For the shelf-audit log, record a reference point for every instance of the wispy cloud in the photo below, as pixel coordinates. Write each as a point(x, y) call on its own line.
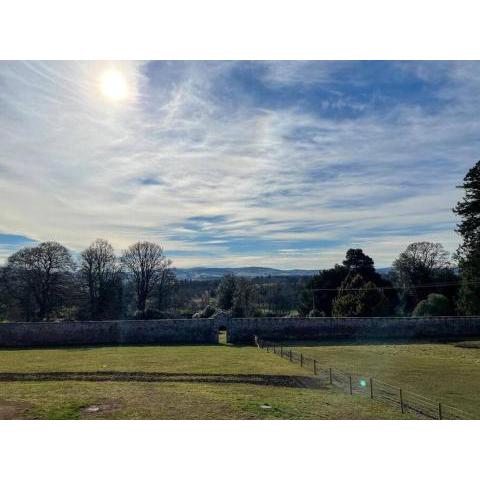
point(238, 163)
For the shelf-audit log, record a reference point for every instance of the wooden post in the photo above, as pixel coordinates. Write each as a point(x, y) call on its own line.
point(291, 356)
point(331, 379)
point(281, 351)
point(301, 359)
point(350, 381)
point(439, 411)
point(401, 401)
point(371, 388)
point(274, 349)
point(314, 367)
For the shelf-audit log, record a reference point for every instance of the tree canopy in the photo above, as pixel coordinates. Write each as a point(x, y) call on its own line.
point(148, 265)
point(226, 292)
point(418, 269)
point(358, 298)
point(322, 289)
point(40, 277)
point(468, 254)
point(356, 261)
point(101, 275)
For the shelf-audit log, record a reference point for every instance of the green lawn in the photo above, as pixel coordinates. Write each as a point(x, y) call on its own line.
point(177, 382)
point(441, 371)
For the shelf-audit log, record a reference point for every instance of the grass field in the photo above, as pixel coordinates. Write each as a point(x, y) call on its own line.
point(156, 382)
point(442, 371)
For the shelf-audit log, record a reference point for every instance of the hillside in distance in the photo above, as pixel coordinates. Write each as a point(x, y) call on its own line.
point(201, 273)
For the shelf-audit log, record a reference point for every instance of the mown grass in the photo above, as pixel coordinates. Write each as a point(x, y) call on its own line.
point(168, 399)
point(441, 371)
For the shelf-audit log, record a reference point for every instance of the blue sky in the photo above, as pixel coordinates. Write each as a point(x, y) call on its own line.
point(282, 164)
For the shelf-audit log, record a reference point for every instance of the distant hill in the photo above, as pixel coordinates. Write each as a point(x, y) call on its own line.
point(202, 273)
point(205, 273)
point(384, 270)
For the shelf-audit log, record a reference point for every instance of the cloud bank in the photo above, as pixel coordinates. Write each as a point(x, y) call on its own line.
point(283, 164)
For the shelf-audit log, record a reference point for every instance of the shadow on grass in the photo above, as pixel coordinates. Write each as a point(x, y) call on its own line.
point(371, 341)
point(75, 347)
point(292, 381)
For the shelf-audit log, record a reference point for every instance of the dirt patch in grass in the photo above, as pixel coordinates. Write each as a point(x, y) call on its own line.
point(10, 410)
point(100, 409)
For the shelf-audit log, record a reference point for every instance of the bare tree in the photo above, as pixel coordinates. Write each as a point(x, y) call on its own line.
point(44, 273)
point(420, 260)
point(148, 265)
point(99, 270)
point(421, 263)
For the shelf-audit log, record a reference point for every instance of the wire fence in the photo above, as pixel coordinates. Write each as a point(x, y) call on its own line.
point(404, 400)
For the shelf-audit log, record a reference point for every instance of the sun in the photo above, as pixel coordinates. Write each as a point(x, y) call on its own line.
point(113, 85)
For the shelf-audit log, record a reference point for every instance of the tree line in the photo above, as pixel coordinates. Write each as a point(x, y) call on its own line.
point(44, 282)
point(423, 280)
point(422, 276)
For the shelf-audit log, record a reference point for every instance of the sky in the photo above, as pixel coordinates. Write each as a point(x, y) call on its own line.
point(277, 164)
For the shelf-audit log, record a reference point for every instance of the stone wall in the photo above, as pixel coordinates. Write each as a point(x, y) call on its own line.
point(163, 332)
point(205, 331)
point(242, 330)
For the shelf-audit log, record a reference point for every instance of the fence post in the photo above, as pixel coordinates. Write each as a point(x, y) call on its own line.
point(274, 349)
point(281, 351)
point(350, 381)
point(401, 400)
point(291, 356)
point(314, 367)
point(371, 388)
point(331, 380)
point(301, 359)
point(439, 411)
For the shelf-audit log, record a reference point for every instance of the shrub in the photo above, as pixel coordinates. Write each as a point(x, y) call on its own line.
point(434, 304)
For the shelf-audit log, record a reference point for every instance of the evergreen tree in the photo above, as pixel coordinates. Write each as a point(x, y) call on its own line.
point(225, 292)
point(358, 262)
point(358, 298)
point(468, 254)
point(320, 291)
point(245, 299)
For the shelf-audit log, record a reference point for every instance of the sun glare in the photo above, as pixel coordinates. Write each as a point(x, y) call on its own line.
point(113, 85)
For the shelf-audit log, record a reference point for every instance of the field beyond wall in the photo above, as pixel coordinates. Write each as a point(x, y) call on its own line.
point(447, 372)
